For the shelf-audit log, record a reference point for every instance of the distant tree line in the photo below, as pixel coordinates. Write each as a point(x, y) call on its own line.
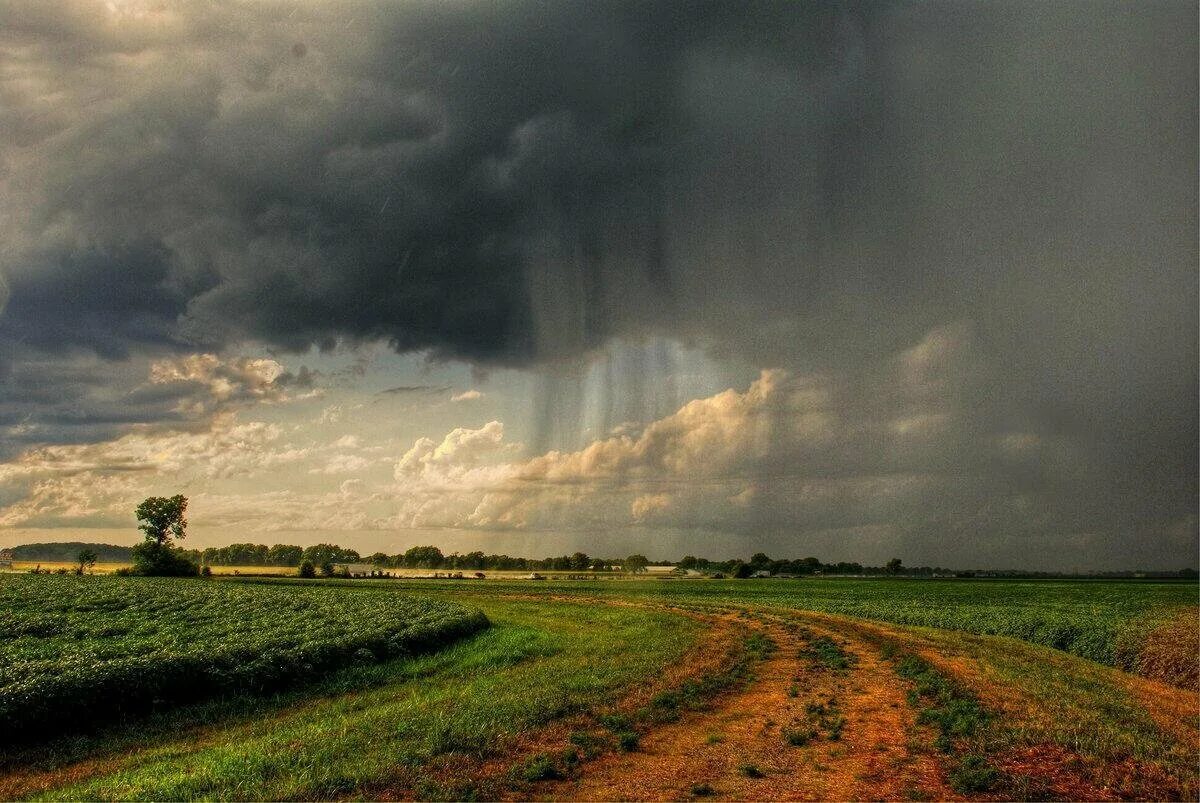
point(432, 558)
point(68, 551)
point(760, 562)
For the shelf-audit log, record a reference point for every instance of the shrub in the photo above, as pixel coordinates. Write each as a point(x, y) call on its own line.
point(152, 559)
point(628, 741)
point(751, 771)
point(308, 570)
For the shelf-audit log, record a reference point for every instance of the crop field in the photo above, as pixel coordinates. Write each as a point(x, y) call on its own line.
point(599, 690)
point(73, 648)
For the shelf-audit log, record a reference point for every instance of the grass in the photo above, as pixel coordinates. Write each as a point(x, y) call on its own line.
point(1051, 698)
point(370, 727)
point(957, 716)
point(953, 711)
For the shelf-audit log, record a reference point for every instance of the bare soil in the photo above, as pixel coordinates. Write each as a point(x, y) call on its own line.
point(738, 750)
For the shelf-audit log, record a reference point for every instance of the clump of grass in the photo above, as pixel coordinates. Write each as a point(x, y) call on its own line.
point(759, 645)
point(834, 726)
point(615, 722)
point(824, 651)
point(714, 738)
point(751, 771)
point(703, 790)
point(588, 743)
point(798, 737)
point(793, 690)
point(973, 775)
point(628, 741)
point(540, 768)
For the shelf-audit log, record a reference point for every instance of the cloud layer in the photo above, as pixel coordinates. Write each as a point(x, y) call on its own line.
point(803, 187)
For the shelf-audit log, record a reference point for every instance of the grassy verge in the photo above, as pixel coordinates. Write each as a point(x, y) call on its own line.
point(376, 724)
point(1022, 708)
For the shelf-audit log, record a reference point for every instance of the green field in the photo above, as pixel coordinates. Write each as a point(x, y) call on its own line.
point(74, 649)
point(1097, 620)
point(571, 672)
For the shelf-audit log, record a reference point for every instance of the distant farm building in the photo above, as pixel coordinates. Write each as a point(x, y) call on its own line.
point(355, 569)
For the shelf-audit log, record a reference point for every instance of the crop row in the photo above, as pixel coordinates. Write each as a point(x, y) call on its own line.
point(84, 649)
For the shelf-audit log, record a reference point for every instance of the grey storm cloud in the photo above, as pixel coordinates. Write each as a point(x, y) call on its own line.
point(785, 184)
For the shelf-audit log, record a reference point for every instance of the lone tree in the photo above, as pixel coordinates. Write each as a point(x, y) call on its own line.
point(893, 566)
point(86, 560)
point(162, 519)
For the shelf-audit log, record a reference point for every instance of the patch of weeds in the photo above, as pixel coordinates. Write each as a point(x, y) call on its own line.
point(540, 768)
point(714, 738)
point(973, 775)
point(628, 741)
point(759, 645)
point(827, 717)
point(793, 690)
point(703, 790)
point(798, 737)
point(955, 712)
point(824, 651)
point(751, 771)
point(588, 743)
point(615, 722)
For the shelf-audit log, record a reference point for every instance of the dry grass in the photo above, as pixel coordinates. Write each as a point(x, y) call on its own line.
point(1171, 651)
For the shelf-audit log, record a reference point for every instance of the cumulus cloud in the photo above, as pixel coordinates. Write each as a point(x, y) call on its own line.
point(466, 396)
point(459, 452)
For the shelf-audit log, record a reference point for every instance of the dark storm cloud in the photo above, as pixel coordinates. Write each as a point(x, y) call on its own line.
point(802, 185)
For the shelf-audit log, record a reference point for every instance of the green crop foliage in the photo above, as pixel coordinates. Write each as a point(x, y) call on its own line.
point(76, 650)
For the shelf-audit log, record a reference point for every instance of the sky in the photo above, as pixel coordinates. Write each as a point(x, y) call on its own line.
point(857, 281)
